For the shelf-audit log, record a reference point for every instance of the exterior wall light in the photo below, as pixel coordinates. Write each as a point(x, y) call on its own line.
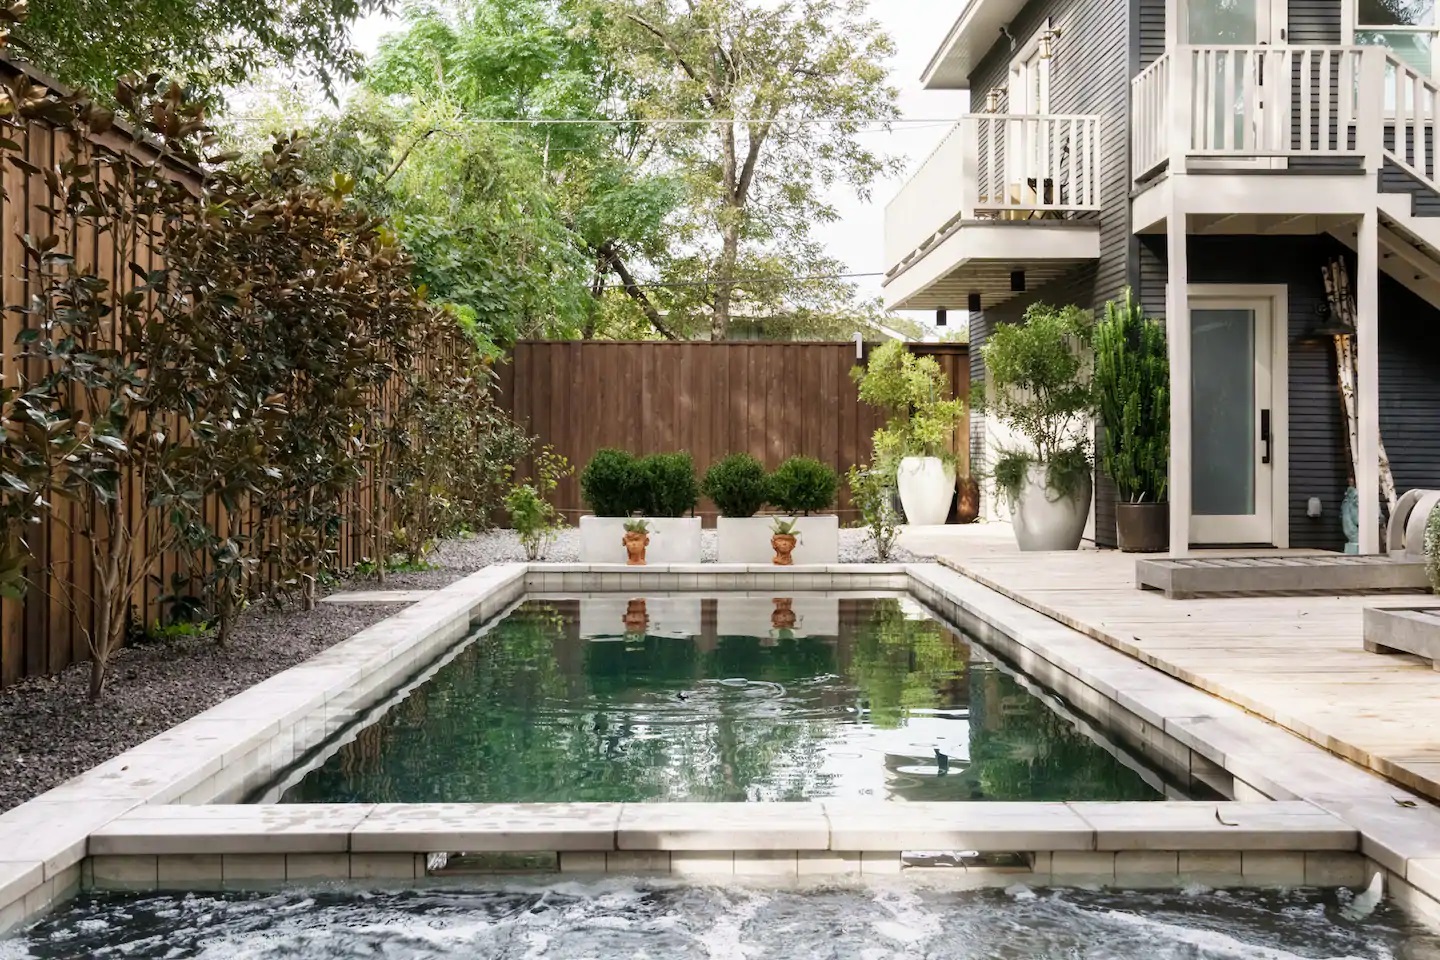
point(1047, 43)
point(992, 100)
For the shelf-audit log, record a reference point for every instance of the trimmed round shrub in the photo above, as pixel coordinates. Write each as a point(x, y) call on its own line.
point(670, 482)
point(803, 485)
point(613, 484)
point(737, 484)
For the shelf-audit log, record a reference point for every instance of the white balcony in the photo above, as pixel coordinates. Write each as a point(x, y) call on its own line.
point(1002, 192)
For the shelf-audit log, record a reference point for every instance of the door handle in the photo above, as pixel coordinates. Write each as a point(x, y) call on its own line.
point(1265, 434)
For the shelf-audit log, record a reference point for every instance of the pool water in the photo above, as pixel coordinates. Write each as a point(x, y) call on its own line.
point(608, 920)
point(735, 698)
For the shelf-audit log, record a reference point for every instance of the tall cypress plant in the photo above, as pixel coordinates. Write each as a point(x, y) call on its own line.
point(1132, 380)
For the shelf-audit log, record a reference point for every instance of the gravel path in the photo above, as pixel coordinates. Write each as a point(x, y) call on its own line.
point(51, 733)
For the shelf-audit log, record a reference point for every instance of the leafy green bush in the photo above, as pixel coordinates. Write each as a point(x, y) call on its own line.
point(737, 484)
point(910, 390)
point(803, 485)
point(613, 484)
point(533, 517)
point(1432, 549)
point(669, 480)
point(870, 491)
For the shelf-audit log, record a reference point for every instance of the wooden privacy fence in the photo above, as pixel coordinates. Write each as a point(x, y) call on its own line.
point(773, 400)
point(41, 633)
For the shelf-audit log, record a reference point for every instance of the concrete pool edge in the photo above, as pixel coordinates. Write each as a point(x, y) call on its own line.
point(228, 749)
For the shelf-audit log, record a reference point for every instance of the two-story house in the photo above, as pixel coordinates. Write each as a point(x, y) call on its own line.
point(1214, 156)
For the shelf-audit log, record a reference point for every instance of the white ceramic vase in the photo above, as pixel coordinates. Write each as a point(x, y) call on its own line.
point(1045, 521)
point(927, 485)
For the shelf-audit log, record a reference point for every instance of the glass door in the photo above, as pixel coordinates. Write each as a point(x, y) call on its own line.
point(1232, 428)
point(1230, 93)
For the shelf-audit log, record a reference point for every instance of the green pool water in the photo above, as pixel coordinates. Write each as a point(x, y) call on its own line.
point(722, 698)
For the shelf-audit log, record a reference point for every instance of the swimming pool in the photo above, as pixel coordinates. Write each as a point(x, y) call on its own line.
point(718, 698)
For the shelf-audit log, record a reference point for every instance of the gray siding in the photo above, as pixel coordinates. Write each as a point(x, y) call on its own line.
point(1409, 367)
point(1089, 74)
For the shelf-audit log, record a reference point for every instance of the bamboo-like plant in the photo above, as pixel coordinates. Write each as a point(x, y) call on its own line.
point(910, 390)
point(1132, 385)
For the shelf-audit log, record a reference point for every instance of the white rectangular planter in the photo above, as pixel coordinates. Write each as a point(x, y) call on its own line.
point(603, 618)
point(672, 540)
point(755, 617)
point(747, 539)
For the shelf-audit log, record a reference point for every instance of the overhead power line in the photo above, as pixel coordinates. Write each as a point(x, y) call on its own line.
point(740, 281)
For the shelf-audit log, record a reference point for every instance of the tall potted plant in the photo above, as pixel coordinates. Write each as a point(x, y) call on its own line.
point(1132, 392)
point(1039, 378)
point(912, 446)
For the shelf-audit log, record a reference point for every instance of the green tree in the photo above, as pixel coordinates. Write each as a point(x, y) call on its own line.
point(757, 78)
point(208, 45)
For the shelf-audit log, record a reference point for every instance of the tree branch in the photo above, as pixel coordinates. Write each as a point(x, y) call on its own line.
point(676, 53)
point(408, 150)
point(635, 291)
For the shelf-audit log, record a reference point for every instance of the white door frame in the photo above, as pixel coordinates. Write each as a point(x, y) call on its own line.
point(1278, 16)
point(1276, 297)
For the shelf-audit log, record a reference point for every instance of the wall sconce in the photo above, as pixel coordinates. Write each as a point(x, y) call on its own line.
point(940, 316)
point(1017, 281)
point(1047, 42)
point(972, 303)
point(992, 100)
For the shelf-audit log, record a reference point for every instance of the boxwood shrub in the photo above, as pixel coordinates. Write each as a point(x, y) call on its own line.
point(669, 478)
point(613, 484)
point(802, 485)
point(737, 484)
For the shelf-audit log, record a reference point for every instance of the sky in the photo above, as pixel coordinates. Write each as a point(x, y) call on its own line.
point(917, 26)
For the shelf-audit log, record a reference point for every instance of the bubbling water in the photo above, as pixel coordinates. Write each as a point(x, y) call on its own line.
point(611, 919)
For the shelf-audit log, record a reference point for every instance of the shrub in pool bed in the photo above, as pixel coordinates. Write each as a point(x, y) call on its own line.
point(803, 485)
point(614, 485)
point(671, 489)
point(737, 484)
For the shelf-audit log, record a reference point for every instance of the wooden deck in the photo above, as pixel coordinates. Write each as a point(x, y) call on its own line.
point(1297, 661)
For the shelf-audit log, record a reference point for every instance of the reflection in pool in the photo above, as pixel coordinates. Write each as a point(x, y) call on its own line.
point(608, 920)
point(727, 698)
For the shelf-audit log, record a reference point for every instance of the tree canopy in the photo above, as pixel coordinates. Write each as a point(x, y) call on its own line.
point(206, 44)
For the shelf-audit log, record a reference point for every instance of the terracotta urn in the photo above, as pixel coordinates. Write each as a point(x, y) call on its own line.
point(783, 618)
point(635, 544)
point(784, 545)
point(636, 618)
point(967, 506)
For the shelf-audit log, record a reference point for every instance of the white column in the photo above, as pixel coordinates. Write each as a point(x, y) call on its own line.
point(1177, 324)
point(1367, 380)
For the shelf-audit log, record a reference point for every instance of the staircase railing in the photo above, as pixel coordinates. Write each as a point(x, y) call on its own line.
point(1412, 118)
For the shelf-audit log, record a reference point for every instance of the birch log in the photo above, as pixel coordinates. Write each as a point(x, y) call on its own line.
point(1337, 290)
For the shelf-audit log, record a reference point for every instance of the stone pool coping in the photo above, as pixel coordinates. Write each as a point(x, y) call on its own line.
point(232, 748)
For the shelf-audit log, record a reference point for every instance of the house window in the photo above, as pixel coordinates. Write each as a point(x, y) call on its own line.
point(1407, 27)
point(1030, 79)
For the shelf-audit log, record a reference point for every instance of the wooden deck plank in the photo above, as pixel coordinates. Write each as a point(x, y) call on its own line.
point(1295, 660)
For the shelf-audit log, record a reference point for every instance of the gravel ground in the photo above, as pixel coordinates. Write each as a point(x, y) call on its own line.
point(49, 732)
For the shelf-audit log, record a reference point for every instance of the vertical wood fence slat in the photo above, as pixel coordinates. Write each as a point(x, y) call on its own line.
point(773, 400)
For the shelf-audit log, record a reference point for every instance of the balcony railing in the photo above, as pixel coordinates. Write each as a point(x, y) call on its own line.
point(997, 166)
point(1278, 102)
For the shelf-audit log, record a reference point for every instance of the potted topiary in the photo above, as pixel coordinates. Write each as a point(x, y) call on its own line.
point(1039, 383)
point(913, 446)
point(800, 488)
point(660, 489)
point(1132, 392)
point(738, 486)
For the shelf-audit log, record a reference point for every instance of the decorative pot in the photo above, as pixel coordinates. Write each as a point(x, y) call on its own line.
point(1142, 527)
point(783, 618)
point(783, 544)
point(1044, 521)
point(635, 544)
point(637, 618)
point(967, 506)
point(927, 485)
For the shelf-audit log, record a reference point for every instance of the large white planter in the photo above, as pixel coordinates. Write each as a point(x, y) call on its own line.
point(1044, 521)
point(672, 540)
point(927, 485)
point(747, 539)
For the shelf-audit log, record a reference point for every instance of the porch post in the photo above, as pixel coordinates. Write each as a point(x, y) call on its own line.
point(1367, 380)
point(1177, 323)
